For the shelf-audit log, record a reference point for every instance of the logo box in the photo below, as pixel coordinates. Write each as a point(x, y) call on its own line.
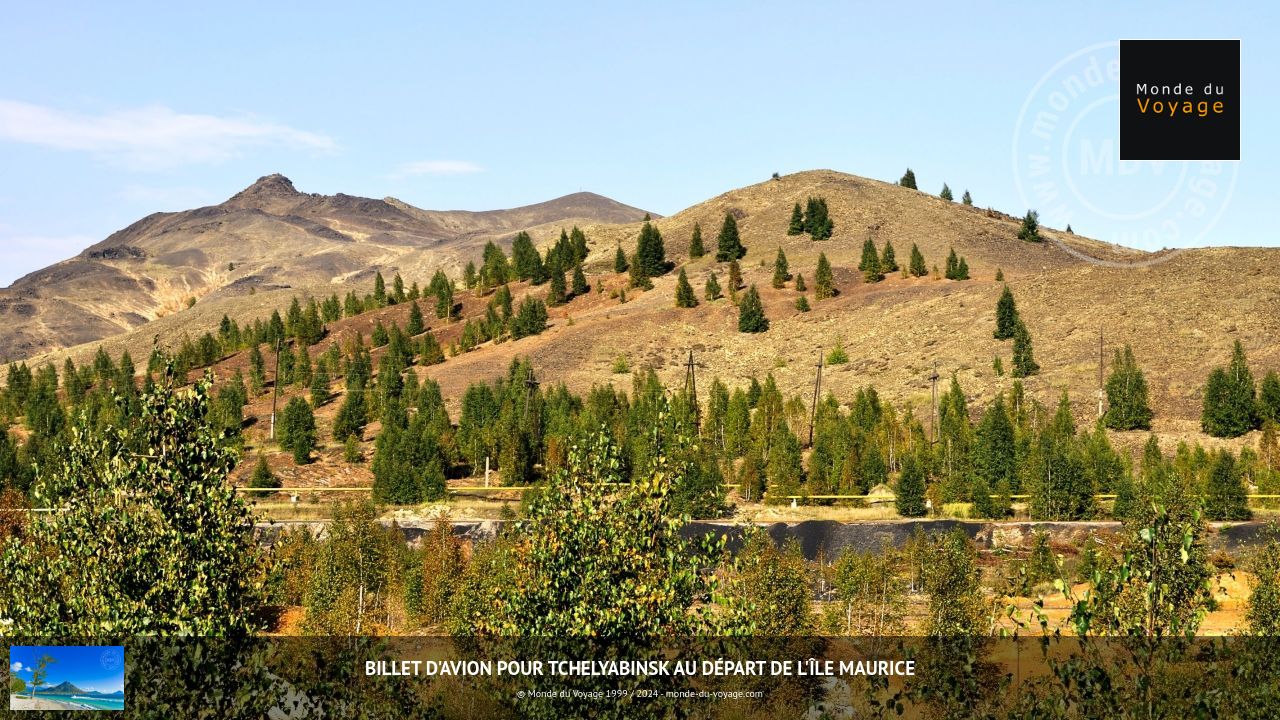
point(1180, 99)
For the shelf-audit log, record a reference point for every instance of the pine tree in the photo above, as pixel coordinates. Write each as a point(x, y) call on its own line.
point(1229, 398)
point(525, 261)
point(802, 304)
point(870, 265)
point(781, 272)
point(796, 226)
point(967, 199)
point(469, 276)
point(946, 193)
point(636, 277)
point(1030, 230)
point(1006, 315)
point(262, 476)
point(1225, 497)
point(1024, 364)
point(751, 317)
point(444, 301)
point(415, 325)
point(352, 416)
point(651, 255)
point(530, 318)
point(888, 262)
point(735, 278)
point(298, 430)
point(379, 290)
point(580, 286)
point(696, 249)
point(1269, 398)
point(684, 292)
point(908, 179)
point(800, 286)
point(824, 280)
point(620, 261)
point(999, 275)
point(728, 244)
point(320, 385)
point(1127, 404)
point(994, 449)
point(556, 290)
point(917, 267)
point(578, 241)
point(712, 290)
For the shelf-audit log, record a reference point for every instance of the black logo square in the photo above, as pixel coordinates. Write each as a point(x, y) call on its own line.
point(1179, 99)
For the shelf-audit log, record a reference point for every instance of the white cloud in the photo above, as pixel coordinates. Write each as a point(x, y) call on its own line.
point(16, 667)
point(436, 167)
point(150, 137)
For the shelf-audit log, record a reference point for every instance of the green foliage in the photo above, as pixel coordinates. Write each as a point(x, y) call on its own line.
point(1006, 315)
point(408, 463)
point(297, 430)
point(526, 263)
point(494, 269)
point(952, 580)
point(696, 248)
point(773, 585)
point(817, 220)
point(781, 272)
point(179, 557)
point(1030, 230)
point(824, 279)
point(651, 255)
point(1127, 404)
point(1262, 610)
point(751, 318)
point(620, 264)
point(946, 193)
point(888, 261)
point(711, 291)
point(728, 244)
point(796, 224)
point(967, 199)
point(837, 356)
point(1269, 398)
point(557, 291)
point(530, 318)
point(908, 180)
point(909, 495)
point(1229, 398)
point(957, 267)
point(802, 304)
point(352, 579)
point(262, 476)
point(351, 418)
point(1225, 491)
point(1024, 363)
point(684, 292)
point(1056, 476)
point(917, 266)
point(579, 285)
point(870, 264)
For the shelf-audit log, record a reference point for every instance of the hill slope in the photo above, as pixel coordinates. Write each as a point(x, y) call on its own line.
point(267, 236)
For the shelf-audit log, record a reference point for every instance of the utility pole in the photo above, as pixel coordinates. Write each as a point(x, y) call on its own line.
point(529, 385)
point(933, 407)
point(275, 391)
point(817, 389)
point(691, 390)
point(1101, 392)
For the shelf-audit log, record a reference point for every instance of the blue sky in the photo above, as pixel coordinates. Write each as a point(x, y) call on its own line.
point(117, 110)
point(91, 669)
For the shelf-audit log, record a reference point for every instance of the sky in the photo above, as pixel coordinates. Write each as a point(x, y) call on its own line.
point(118, 110)
point(92, 669)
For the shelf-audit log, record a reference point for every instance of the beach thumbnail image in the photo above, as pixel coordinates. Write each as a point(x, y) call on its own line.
point(56, 677)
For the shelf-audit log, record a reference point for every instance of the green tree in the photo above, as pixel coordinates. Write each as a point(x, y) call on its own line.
point(735, 279)
point(1030, 230)
point(1225, 496)
point(1269, 398)
point(917, 266)
point(781, 271)
point(525, 260)
point(888, 262)
point(379, 289)
point(817, 219)
point(1127, 404)
point(556, 291)
point(1263, 607)
point(651, 255)
point(262, 476)
point(352, 416)
point(908, 179)
point(469, 276)
point(751, 318)
point(802, 304)
point(1006, 315)
point(946, 193)
point(684, 292)
point(415, 326)
point(967, 199)
point(530, 318)
point(728, 244)
point(620, 264)
point(909, 496)
point(870, 264)
point(180, 557)
point(994, 451)
point(800, 286)
point(1229, 408)
point(774, 582)
point(824, 280)
point(796, 225)
point(579, 286)
point(297, 432)
point(1024, 363)
point(712, 290)
point(696, 249)
point(408, 464)
point(952, 579)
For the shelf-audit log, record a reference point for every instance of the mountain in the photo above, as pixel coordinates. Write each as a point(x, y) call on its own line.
point(267, 236)
point(1181, 315)
point(62, 688)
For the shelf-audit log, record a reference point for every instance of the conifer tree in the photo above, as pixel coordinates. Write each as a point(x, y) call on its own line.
point(578, 241)
point(684, 292)
point(415, 324)
point(320, 385)
point(1006, 315)
point(1269, 398)
point(620, 261)
point(946, 193)
point(379, 290)
point(1225, 495)
point(1030, 230)
point(636, 277)
point(298, 430)
point(651, 255)
point(781, 273)
point(967, 199)
point(802, 304)
point(909, 496)
point(696, 248)
point(870, 265)
point(817, 220)
point(257, 370)
point(824, 280)
point(728, 244)
point(999, 275)
point(580, 286)
point(735, 278)
point(917, 267)
point(1127, 404)
point(525, 260)
point(1024, 364)
point(962, 269)
point(712, 290)
point(1230, 398)
point(751, 317)
point(888, 261)
point(556, 291)
point(908, 179)
point(352, 416)
point(994, 449)
point(800, 286)
point(796, 226)
point(469, 276)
